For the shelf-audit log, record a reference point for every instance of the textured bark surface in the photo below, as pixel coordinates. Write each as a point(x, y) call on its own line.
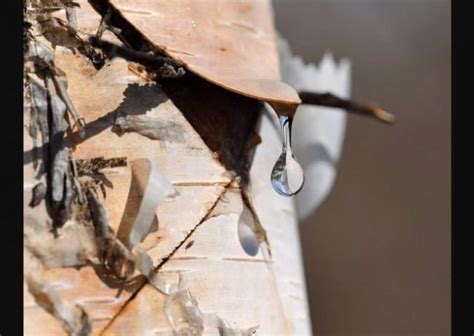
point(209, 242)
point(208, 35)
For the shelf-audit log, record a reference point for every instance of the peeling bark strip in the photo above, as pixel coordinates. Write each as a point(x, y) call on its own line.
point(39, 193)
point(183, 313)
point(116, 258)
point(61, 84)
point(153, 189)
point(43, 59)
point(51, 101)
point(256, 77)
point(39, 103)
point(149, 127)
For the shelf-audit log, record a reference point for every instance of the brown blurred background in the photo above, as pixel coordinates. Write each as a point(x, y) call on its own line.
point(378, 251)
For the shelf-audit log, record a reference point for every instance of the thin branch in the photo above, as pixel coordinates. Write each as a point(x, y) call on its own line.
point(330, 100)
point(103, 23)
point(148, 59)
point(61, 85)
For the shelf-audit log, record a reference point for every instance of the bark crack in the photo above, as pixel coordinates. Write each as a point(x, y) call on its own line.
point(208, 214)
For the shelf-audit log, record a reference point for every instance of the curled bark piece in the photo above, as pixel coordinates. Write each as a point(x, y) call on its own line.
point(77, 185)
point(71, 15)
point(59, 174)
point(39, 193)
point(144, 265)
point(150, 188)
point(33, 128)
point(75, 246)
point(39, 53)
point(61, 84)
point(62, 209)
point(42, 56)
point(56, 159)
point(38, 117)
point(149, 127)
point(183, 313)
point(99, 215)
point(181, 308)
point(39, 100)
point(59, 153)
point(168, 70)
point(158, 188)
point(226, 330)
point(117, 259)
point(254, 74)
point(73, 318)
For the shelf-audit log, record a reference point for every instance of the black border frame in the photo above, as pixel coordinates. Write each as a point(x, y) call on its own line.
point(12, 216)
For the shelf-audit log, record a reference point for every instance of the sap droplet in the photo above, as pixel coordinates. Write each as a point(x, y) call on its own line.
point(287, 174)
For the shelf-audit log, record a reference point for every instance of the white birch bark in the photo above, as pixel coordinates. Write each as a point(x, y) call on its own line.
point(199, 244)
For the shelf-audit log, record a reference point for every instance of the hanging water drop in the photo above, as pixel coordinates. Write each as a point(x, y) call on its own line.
point(287, 174)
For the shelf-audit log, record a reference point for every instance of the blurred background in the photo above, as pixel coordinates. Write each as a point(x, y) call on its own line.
point(377, 252)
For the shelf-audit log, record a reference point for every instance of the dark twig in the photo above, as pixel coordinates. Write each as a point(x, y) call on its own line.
point(38, 194)
point(61, 84)
point(104, 23)
point(169, 66)
point(330, 100)
point(115, 256)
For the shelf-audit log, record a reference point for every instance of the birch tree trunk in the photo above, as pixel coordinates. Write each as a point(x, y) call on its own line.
point(221, 254)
